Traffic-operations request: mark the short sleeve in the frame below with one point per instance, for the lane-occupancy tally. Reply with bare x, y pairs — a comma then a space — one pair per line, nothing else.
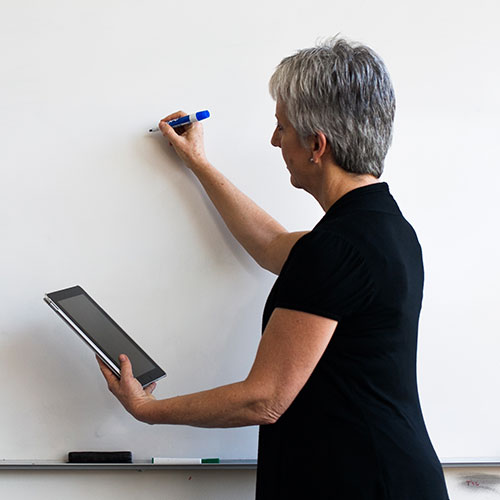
324, 275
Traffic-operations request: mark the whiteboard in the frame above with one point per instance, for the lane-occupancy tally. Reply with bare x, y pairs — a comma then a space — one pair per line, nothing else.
88, 197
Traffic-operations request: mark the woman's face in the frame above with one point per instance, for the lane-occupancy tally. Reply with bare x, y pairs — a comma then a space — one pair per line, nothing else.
296, 156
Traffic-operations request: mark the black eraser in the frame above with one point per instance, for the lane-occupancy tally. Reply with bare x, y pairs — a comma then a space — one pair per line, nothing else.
100, 457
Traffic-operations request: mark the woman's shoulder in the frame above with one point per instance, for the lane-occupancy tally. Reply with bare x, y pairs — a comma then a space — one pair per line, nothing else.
322, 240
325, 248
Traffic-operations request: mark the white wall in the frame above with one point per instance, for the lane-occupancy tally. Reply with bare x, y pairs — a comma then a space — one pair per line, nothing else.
463, 484
86, 196
186, 485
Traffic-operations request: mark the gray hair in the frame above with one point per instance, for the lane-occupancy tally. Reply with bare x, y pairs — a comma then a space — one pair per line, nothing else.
342, 89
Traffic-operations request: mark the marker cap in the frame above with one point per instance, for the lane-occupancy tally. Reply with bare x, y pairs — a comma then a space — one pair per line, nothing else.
201, 115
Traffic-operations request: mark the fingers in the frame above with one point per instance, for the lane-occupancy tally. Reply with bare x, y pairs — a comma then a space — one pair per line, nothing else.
165, 128
127, 389
168, 131
173, 116
150, 388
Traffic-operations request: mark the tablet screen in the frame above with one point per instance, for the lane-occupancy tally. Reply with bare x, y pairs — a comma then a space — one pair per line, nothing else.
98, 326
104, 332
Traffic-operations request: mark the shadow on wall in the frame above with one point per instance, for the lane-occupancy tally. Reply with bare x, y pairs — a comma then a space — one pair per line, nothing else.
463, 484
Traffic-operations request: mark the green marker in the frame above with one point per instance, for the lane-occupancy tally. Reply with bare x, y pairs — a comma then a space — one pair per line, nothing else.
184, 461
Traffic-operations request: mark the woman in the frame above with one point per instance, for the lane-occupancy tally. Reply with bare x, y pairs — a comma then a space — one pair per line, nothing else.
333, 384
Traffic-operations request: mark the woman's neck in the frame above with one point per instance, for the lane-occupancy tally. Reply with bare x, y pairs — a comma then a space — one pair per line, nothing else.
336, 182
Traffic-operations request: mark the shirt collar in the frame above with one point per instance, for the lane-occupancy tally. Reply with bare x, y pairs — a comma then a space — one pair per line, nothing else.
373, 197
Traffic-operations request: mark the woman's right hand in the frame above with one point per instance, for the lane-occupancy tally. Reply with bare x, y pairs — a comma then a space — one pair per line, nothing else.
187, 140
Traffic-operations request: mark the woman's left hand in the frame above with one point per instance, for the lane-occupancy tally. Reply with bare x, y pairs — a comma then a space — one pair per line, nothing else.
128, 390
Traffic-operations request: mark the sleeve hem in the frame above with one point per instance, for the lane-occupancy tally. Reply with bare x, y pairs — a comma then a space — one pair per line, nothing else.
311, 310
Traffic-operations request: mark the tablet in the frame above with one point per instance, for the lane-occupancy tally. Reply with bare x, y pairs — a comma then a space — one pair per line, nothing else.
101, 333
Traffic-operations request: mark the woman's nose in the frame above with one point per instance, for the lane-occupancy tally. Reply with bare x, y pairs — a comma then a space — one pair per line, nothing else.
275, 141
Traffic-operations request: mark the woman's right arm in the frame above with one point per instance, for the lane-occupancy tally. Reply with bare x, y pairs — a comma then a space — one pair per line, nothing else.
265, 239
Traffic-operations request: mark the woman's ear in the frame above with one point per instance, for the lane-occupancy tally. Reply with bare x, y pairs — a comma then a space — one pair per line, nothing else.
318, 147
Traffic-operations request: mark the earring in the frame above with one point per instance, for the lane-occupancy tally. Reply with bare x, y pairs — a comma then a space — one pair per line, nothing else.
311, 160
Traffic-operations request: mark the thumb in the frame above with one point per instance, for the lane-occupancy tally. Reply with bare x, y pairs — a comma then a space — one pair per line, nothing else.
125, 367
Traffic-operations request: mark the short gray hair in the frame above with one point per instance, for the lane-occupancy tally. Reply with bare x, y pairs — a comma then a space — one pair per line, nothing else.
342, 89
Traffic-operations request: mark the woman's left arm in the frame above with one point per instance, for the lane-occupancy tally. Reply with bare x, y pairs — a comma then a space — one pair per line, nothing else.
291, 346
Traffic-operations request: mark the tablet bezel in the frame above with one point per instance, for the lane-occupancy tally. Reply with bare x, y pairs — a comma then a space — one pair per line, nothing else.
53, 298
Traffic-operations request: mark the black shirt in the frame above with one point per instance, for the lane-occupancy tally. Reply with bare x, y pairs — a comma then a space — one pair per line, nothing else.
355, 431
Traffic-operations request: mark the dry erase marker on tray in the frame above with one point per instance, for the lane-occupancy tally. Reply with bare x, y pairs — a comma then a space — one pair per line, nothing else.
185, 120
184, 461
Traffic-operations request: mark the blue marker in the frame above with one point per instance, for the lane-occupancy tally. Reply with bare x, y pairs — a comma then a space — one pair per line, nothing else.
185, 120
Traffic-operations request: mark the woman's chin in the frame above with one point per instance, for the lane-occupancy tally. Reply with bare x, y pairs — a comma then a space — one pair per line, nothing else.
294, 183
